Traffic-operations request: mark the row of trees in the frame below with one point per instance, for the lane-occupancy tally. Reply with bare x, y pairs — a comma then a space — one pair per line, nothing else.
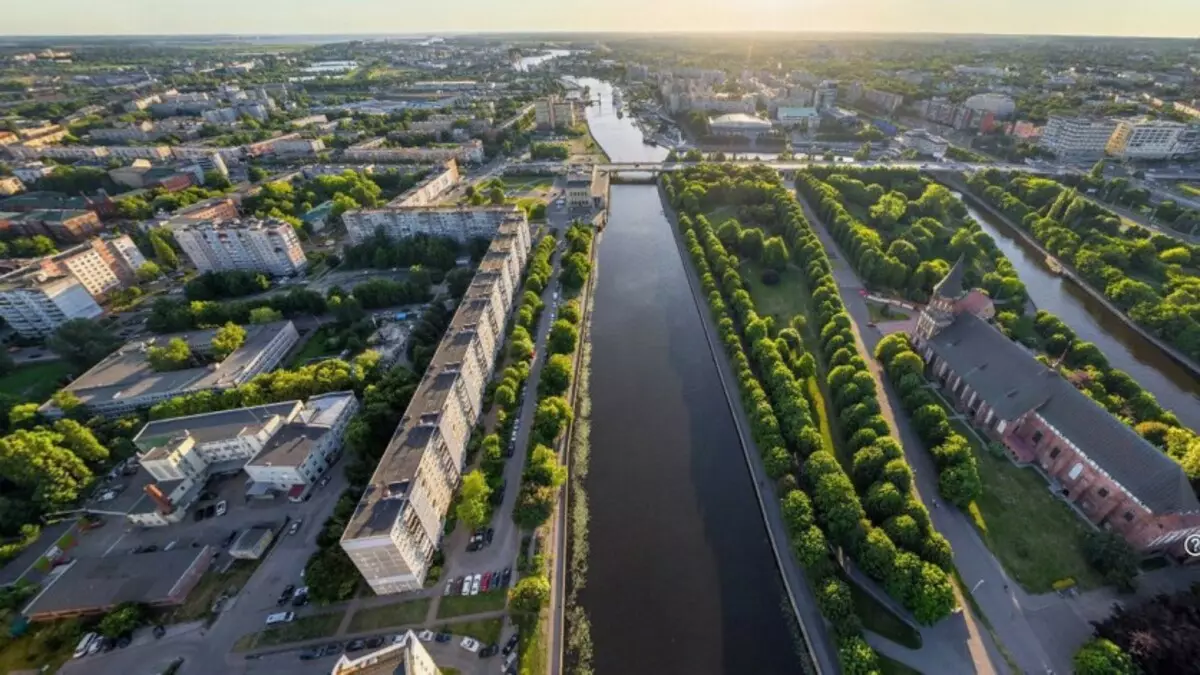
553, 151
226, 284
958, 474
1158, 637
439, 253
784, 429
1148, 276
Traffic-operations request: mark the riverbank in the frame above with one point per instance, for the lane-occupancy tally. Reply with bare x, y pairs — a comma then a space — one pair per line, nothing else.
1069, 273
822, 652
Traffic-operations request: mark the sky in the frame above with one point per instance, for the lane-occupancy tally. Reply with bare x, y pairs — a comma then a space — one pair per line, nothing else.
1165, 18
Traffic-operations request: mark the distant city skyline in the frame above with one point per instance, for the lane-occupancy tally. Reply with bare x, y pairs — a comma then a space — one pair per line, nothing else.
1152, 18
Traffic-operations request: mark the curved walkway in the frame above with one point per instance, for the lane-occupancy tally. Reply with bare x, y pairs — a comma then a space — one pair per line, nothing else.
815, 632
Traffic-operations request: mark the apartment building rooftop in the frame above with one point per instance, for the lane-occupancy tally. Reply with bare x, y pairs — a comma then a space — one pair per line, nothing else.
293, 443
214, 426
126, 373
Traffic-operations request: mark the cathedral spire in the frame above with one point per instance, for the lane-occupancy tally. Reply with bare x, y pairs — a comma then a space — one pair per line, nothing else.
951, 286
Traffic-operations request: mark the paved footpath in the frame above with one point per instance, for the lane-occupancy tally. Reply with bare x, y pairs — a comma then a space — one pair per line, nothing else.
979, 569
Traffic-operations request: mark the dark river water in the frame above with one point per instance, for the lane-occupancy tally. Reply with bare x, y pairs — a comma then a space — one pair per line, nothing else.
1125, 349
681, 575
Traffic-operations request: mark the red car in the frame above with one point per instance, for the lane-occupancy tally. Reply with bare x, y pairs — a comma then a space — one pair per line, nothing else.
487, 579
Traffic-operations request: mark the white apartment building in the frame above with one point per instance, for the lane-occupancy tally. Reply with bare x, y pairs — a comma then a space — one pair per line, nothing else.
269, 246
393, 534
157, 153
552, 113
140, 131
1146, 139
461, 223
31, 172
406, 656
430, 188
372, 151
924, 142
35, 305
304, 448
826, 95
297, 146
91, 270
72, 152
202, 151
1077, 138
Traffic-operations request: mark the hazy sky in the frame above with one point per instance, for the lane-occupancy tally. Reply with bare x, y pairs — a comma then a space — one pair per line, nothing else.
1180, 18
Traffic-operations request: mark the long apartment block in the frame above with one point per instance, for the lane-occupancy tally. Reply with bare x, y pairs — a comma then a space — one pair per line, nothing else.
461, 223
398, 523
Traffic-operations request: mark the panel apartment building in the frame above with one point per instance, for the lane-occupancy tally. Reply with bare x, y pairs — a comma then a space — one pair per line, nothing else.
398, 523
1077, 138
35, 303
270, 246
461, 223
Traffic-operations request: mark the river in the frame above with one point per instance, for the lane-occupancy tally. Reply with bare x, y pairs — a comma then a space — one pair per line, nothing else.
524, 63
681, 575
1173, 386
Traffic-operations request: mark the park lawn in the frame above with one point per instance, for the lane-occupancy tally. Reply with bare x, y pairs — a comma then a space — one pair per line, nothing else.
526, 183
877, 618
46, 645
199, 602
1035, 535
783, 300
387, 616
721, 214
303, 628
487, 631
1189, 189
892, 667
464, 605
36, 382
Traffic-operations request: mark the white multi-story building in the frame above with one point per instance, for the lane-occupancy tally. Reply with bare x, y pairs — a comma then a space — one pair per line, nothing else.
157, 153
461, 223
32, 172
72, 152
430, 188
304, 448
394, 531
269, 246
373, 151
35, 305
124, 381
406, 656
1146, 139
552, 113
91, 270
1000, 105
138, 131
1077, 138
924, 142
825, 97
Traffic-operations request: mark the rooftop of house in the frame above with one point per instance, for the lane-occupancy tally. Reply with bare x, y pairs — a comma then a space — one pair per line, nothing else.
1013, 382
215, 426
291, 445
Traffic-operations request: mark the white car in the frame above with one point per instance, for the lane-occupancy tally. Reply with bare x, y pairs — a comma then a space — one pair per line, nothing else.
222, 507
294, 528
425, 635
475, 584
469, 644
466, 586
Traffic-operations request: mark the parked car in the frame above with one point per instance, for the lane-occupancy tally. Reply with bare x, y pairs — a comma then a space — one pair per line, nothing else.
312, 654
490, 650
222, 507
506, 577
469, 644
124, 641
511, 644
466, 585
475, 584
285, 595
159, 631
443, 637
425, 635
295, 527
488, 535
356, 646
449, 587
375, 642
483, 585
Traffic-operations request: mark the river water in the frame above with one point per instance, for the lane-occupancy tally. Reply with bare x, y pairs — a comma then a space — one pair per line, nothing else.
681, 576
524, 63
1125, 349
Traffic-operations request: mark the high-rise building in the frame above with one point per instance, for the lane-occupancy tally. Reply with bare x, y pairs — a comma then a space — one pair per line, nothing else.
826, 96
270, 246
396, 528
553, 113
443, 221
1147, 139
1077, 138
35, 304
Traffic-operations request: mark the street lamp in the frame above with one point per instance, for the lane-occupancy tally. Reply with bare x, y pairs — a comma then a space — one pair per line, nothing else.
976, 586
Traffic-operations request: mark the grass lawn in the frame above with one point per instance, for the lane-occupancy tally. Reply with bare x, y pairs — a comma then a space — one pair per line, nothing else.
303, 628
891, 667
1188, 189
313, 348
879, 619
387, 616
720, 215
1037, 537
877, 312
212, 584
486, 631
463, 605
526, 183
783, 300
49, 644
35, 382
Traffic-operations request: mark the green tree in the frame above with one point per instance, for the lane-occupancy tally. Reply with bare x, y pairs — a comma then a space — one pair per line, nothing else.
176, 355
552, 416
474, 509
149, 271
775, 254
575, 270
556, 375
261, 315
66, 400
257, 174
227, 340
563, 337
1099, 656
81, 441
163, 251
121, 621
496, 195
82, 343
534, 506
529, 594
863, 153
543, 469
215, 180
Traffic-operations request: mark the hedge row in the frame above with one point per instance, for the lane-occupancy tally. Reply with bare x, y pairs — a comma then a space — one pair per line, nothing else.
958, 475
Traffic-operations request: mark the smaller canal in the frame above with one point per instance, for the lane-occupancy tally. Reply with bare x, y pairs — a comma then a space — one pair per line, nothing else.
1125, 349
